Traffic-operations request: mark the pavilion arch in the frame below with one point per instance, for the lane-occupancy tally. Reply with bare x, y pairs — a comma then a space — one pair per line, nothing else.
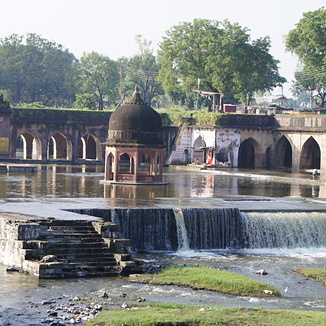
199, 150
247, 151
310, 154
125, 164
89, 148
59, 147
109, 166
283, 153
145, 163
29, 147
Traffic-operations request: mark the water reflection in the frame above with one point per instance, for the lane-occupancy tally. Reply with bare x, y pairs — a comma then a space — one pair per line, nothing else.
84, 181
192, 186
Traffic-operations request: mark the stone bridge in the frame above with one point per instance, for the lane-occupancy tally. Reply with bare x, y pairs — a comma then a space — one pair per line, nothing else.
247, 141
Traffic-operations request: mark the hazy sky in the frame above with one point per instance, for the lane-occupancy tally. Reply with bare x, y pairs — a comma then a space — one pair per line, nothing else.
109, 26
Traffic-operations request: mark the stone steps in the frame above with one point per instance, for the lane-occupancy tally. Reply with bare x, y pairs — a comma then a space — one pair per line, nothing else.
72, 249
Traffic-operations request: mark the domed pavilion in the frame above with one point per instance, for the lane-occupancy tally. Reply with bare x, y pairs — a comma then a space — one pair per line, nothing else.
134, 147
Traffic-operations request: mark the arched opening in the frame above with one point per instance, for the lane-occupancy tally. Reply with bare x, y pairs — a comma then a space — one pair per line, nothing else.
20, 144
199, 150
283, 154
28, 147
310, 155
144, 164
125, 164
246, 155
59, 148
109, 167
269, 158
89, 148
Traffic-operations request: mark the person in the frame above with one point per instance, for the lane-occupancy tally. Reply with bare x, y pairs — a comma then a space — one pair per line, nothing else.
314, 173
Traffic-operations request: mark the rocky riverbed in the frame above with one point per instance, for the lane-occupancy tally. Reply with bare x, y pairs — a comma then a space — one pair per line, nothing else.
29, 301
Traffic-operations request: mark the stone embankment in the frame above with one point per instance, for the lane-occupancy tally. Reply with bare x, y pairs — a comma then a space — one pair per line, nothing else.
52, 248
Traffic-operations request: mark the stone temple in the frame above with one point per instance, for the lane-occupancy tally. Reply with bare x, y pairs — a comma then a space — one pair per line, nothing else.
134, 147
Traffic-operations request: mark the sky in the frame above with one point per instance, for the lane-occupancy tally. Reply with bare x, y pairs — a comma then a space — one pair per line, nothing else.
109, 27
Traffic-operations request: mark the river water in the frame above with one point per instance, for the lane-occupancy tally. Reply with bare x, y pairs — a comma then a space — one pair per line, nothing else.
22, 294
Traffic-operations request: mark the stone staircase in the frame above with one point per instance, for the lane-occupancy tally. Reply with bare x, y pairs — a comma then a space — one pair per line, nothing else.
65, 249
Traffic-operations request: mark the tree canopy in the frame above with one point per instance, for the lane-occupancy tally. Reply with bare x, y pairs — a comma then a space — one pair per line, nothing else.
141, 69
99, 76
35, 69
308, 41
219, 54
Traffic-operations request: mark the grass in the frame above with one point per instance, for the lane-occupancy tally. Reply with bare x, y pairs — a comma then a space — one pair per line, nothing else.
318, 274
206, 278
181, 315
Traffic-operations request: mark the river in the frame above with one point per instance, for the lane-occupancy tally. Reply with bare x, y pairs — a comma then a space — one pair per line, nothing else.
22, 295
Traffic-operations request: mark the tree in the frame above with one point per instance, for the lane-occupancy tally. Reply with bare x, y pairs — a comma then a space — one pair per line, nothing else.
308, 41
142, 70
85, 101
309, 82
35, 69
221, 55
99, 76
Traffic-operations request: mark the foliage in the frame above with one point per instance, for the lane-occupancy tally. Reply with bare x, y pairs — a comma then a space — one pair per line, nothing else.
308, 41
85, 101
206, 278
60, 116
209, 118
220, 55
99, 76
178, 116
33, 105
314, 86
35, 69
141, 70
176, 314
318, 274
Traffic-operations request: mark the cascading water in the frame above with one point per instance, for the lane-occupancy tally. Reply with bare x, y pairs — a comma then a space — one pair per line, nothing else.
284, 229
217, 228
148, 229
165, 229
183, 243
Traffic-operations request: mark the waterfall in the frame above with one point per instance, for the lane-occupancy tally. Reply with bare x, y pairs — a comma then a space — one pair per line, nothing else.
284, 229
148, 229
165, 229
217, 228
183, 243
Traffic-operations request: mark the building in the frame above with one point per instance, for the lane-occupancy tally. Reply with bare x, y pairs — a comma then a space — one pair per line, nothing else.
134, 147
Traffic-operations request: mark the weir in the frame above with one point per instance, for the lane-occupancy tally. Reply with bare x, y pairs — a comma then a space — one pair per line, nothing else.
166, 229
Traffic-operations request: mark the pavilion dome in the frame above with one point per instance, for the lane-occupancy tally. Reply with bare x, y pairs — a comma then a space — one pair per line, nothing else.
135, 122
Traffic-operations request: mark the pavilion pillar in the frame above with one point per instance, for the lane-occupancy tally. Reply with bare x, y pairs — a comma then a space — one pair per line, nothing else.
115, 164
136, 158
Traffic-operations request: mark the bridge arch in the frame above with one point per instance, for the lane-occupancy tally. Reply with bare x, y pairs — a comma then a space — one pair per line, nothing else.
269, 158
283, 153
59, 147
29, 146
310, 154
89, 148
247, 152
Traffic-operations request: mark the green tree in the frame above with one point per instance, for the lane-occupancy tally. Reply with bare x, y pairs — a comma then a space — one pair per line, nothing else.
35, 69
142, 70
307, 82
85, 101
99, 75
221, 55
308, 41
